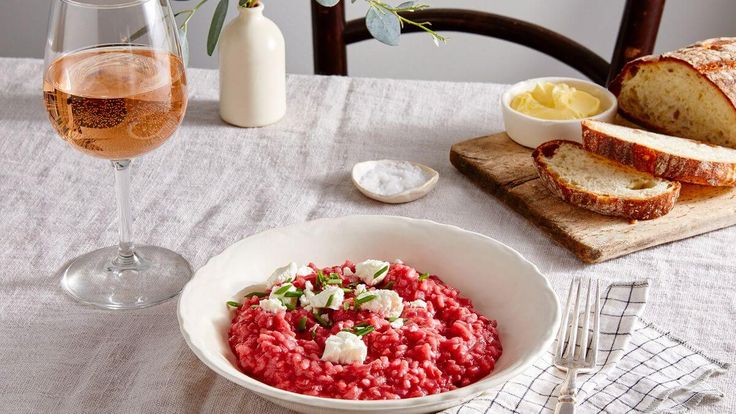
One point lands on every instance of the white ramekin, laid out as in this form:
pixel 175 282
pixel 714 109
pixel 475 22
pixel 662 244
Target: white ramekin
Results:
pixel 531 132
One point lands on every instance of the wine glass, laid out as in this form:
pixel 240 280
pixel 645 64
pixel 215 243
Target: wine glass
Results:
pixel 115 88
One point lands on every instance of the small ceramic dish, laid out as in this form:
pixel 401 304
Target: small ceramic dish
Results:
pixel 532 132
pixel 500 282
pixel 360 169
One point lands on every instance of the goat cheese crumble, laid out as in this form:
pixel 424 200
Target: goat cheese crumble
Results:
pixel 271 305
pixel 417 304
pixel 386 302
pixel 310 300
pixel 344 348
pixel 282 274
pixel 397 323
pixel 372 271
pixel 304 271
pixel 279 293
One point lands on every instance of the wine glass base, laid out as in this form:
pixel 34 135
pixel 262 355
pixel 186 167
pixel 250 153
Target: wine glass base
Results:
pixel 157 275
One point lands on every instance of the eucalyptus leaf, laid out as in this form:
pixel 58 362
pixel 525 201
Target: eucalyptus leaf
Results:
pixel 328 3
pixel 184 43
pixel 384 27
pixel 405 5
pixel 218 20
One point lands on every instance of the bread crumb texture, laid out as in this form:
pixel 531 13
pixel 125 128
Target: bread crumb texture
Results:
pixel 588 172
pixel 689 93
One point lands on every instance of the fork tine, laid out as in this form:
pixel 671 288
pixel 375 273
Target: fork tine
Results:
pixel 563 323
pixel 583 351
pixel 574 325
pixel 596 326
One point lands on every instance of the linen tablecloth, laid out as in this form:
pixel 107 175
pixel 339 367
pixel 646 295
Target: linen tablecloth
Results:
pixel 640 369
pixel 213 184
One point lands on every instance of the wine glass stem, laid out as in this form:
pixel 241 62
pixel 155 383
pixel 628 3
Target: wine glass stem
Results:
pixel 126 253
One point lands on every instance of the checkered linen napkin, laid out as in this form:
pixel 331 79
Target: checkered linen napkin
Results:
pixel 641 369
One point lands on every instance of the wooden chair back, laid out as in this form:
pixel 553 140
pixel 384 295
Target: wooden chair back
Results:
pixel 331 33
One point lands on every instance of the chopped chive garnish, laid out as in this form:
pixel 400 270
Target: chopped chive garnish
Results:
pixel 333 279
pixel 353 285
pixel 346 305
pixel 347 290
pixel 287 303
pixel 393 318
pixel 259 294
pixel 363 299
pixel 362 325
pixel 321 320
pixel 314 333
pixel 364 331
pixel 283 289
pixel 302 325
pixel 233 304
pixel 253 306
pixel 380 272
pixel 389 285
pixel 294 294
pixel 321 278
pixel 424 276
pixel 329 300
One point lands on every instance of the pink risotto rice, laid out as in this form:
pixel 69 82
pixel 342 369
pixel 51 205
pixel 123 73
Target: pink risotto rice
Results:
pixel 442 347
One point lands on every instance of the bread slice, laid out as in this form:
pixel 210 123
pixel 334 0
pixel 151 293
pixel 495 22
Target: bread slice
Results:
pixel 596 183
pixel 662 155
pixel 688 93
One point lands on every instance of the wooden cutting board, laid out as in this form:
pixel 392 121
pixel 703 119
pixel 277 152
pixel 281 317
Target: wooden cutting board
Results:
pixel 505 169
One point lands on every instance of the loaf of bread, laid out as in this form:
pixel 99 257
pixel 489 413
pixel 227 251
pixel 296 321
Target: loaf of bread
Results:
pixel 596 183
pixel 688 93
pixel 662 155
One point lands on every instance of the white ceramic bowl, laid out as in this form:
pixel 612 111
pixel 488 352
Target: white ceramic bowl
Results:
pixel 501 283
pixel 532 132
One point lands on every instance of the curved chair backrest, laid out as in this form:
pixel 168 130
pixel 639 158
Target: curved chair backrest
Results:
pixel 331 33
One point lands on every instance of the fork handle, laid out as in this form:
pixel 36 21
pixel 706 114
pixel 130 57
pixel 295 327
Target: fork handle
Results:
pixel 568 393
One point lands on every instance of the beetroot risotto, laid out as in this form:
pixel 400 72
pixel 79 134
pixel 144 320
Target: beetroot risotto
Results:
pixel 370 331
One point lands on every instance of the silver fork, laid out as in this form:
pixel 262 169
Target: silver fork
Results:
pixel 576 356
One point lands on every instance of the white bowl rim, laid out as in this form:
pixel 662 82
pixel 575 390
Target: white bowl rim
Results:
pixel 506 99
pixel 463 393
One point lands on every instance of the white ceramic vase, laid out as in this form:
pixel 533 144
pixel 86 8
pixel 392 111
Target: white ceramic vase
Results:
pixel 252 70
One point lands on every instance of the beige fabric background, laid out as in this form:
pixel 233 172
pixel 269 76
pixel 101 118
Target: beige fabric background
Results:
pixel 213 184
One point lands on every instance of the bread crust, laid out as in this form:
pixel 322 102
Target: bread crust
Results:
pixel 713 59
pixel 658 163
pixel 631 208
